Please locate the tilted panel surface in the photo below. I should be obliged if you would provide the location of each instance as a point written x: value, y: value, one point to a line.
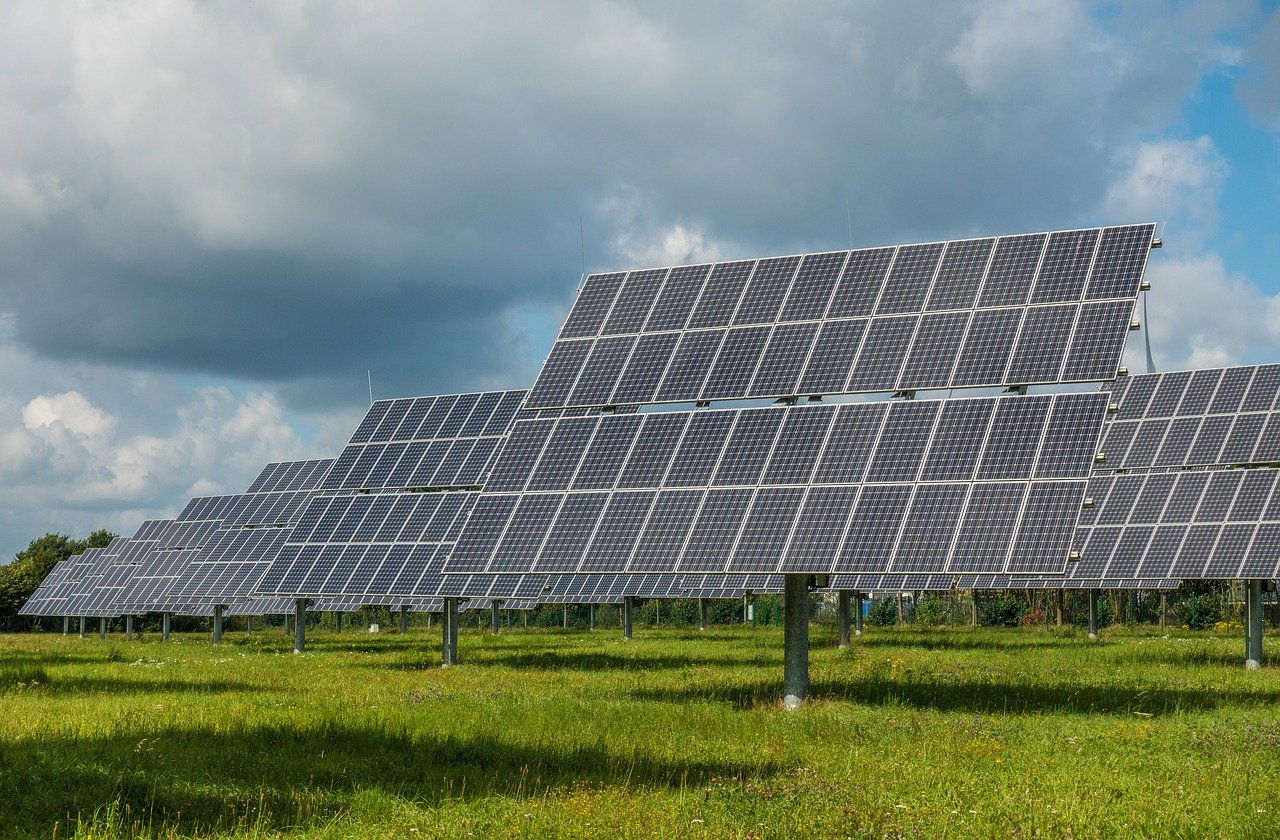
x: 1018, y: 310
x: 845, y: 478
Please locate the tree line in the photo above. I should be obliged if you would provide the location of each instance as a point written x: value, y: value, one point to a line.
x: 19, y: 579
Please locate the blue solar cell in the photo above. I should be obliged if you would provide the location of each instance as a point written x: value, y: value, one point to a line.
x: 901, y: 447
x: 720, y: 295
x: 910, y: 278
x: 631, y: 308
x: 654, y: 448
x: 852, y: 438
x: 1009, y: 277
x: 813, y: 286
x: 639, y: 379
x: 1230, y: 394
x: 614, y: 541
x: 700, y: 449
x: 714, y: 532
x: 1121, y: 259
x: 985, y: 354
x: 799, y: 445
x: 1048, y: 520
x: 935, y: 350
x: 766, y: 291
x: 592, y: 306
x: 1016, y: 432
x: 573, y: 528
x: 873, y: 528
x: 736, y: 363
x: 559, y: 373
x: 766, y: 528
x: 660, y: 544
x: 690, y: 365
x: 832, y: 357
x: 859, y: 286
x: 819, y: 529
x: 1200, y: 391
x: 929, y: 527
x: 1065, y: 266
x: 563, y: 453
x: 988, y: 528
x: 748, y: 447
x: 783, y: 361
x: 1098, y: 341
x: 675, y: 302
x: 963, y: 265
x: 603, y: 460
x: 957, y: 440
x: 1042, y: 344
x: 883, y: 352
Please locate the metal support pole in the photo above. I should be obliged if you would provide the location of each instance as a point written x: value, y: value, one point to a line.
x: 66, y: 625
x: 746, y: 612
x: 857, y: 614
x: 1164, y: 609
x: 286, y: 624
x: 973, y: 608
x: 337, y: 622
x: 1093, y: 613
x: 591, y: 616
x: 795, y: 657
x: 248, y: 625
x: 702, y: 613
x: 82, y: 623
x: 1253, y: 624
x: 217, y: 624
x: 128, y: 628
x: 404, y: 620
x: 449, y: 648
x: 628, y: 607
x: 102, y: 628
x: 494, y: 619
x: 565, y: 621
x: 164, y: 627
x: 299, y: 625
x: 842, y: 617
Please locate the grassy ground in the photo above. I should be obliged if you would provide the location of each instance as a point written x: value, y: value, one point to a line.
x: 910, y: 733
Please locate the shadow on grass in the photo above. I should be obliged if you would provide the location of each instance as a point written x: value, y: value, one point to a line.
x: 949, y: 695
x: 550, y: 660
x: 277, y: 777
x: 978, y: 641
x: 57, y: 684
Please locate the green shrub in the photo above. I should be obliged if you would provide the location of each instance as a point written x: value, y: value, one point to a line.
x: 930, y: 610
x: 883, y: 612
x: 1080, y: 613
x: 1002, y: 611
x: 1198, y: 611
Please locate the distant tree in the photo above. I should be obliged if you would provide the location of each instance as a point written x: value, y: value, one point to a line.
x: 19, y: 579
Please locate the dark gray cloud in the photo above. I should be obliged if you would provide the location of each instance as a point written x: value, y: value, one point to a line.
x: 295, y: 195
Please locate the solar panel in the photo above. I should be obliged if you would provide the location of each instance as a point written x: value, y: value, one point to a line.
x: 1191, y: 497
x: 789, y: 478
x: 1037, y: 308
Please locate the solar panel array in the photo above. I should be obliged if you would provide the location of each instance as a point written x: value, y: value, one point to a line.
x: 1187, y: 490
x: 437, y: 442
x: 250, y: 528
x: 986, y: 484
x: 46, y: 600
x: 1006, y: 582
x: 1036, y: 308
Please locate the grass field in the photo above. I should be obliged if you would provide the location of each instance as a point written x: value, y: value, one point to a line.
x: 910, y: 733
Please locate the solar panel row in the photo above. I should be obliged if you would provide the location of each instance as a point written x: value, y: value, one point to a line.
x: 928, y: 486
x: 1018, y: 310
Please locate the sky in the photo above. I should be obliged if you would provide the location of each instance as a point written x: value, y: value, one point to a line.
x: 220, y: 222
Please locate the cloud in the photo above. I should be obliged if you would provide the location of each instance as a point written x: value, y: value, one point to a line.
x: 1259, y: 87
x: 295, y: 194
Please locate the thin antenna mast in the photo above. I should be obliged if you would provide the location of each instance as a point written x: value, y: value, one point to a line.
x: 582, y: 244
x: 370, y: 374
x: 1164, y: 207
x: 849, y: 214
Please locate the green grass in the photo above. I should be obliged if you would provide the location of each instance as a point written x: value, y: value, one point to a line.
x: 910, y: 733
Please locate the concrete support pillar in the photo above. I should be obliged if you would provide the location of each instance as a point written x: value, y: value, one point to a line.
x: 82, y: 625
x: 128, y: 628
x: 857, y: 613
x: 164, y: 627
x: 66, y: 625
x: 702, y: 613
x: 404, y: 620
x: 795, y: 657
x: 842, y: 617
x: 217, y: 624
x: 628, y: 608
x: 449, y: 647
x: 495, y: 620
x: 1093, y: 613
x: 102, y: 628
x: 299, y: 625
x: 1253, y: 624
